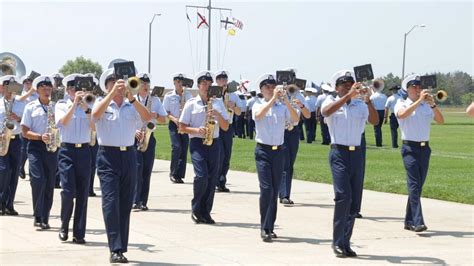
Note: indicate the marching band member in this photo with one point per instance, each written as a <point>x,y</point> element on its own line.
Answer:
<point>292,142</point>
<point>326,139</point>
<point>94,147</point>
<point>37,126</point>
<point>378,99</point>
<point>11,110</point>
<point>345,116</point>
<point>414,116</point>
<point>250,121</point>
<point>226,136</point>
<point>28,95</point>
<point>115,119</point>
<point>146,158</point>
<point>270,115</point>
<point>173,103</point>
<point>197,118</point>
<point>310,123</point>
<point>389,109</point>
<point>73,118</point>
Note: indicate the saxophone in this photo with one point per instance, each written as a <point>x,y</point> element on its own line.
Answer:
<point>7,129</point>
<point>210,124</point>
<point>230,111</point>
<point>52,131</point>
<point>147,129</point>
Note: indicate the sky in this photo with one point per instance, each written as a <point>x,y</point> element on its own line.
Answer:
<point>317,38</point>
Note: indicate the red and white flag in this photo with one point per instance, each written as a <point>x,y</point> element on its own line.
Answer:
<point>238,23</point>
<point>201,21</point>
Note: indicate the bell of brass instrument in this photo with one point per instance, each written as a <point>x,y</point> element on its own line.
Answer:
<point>52,131</point>
<point>147,129</point>
<point>89,99</point>
<point>210,124</point>
<point>441,96</point>
<point>132,84</point>
<point>7,130</point>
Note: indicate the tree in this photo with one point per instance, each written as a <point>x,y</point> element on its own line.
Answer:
<point>81,65</point>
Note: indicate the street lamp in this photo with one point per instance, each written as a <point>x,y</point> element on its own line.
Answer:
<point>149,42</point>
<point>405,45</point>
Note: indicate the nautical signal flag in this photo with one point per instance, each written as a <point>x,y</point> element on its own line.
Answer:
<point>201,21</point>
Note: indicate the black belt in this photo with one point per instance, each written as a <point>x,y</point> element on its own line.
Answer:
<point>270,147</point>
<point>344,147</point>
<point>113,148</point>
<point>75,145</point>
<point>416,143</point>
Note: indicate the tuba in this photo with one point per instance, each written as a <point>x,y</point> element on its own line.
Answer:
<point>147,129</point>
<point>210,124</point>
<point>52,131</point>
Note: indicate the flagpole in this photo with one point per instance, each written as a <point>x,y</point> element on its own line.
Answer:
<point>209,39</point>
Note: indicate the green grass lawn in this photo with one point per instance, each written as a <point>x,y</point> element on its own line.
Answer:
<point>450,177</point>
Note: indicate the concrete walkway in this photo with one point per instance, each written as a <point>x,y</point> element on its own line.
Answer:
<point>165,234</point>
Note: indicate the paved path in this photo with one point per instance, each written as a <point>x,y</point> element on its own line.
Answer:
<point>166,234</point>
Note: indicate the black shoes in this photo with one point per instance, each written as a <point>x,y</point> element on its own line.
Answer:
<point>286,201</point>
<point>358,215</point>
<point>11,212</point>
<point>417,228</point>
<point>273,235</point>
<point>339,251</point>
<point>45,226</point>
<point>79,241</point>
<point>63,234</point>
<point>136,207</point>
<point>92,194</point>
<point>37,222</point>
<point>143,208</point>
<point>198,218</point>
<point>222,189</point>
<point>208,219</point>
<point>3,210</point>
<point>266,237</point>
<point>176,180</point>
<point>350,252</point>
<point>22,174</point>
<point>118,257</point>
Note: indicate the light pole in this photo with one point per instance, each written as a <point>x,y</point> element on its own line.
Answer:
<point>149,42</point>
<point>405,46</point>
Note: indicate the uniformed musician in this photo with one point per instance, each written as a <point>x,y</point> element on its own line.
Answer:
<point>11,111</point>
<point>414,117</point>
<point>325,138</point>
<point>173,103</point>
<point>389,109</point>
<point>226,136</point>
<point>346,115</point>
<point>37,118</point>
<point>146,159</point>
<point>378,99</point>
<point>310,123</point>
<point>195,120</point>
<point>73,118</point>
<point>271,114</point>
<point>115,117</point>
<point>28,94</point>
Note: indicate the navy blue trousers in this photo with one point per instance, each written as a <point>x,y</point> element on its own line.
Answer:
<point>270,170</point>
<point>292,144</point>
<point>117,172</point>
<point>326,138</point>
<point>416,160</point>
<point>179,151</point>
<point>300,126</point>
<point>145,161</point>
<point>42,167</point>
<point>24,154</point>
<point>363,147</point>
<point>74,170</point>
<point>9,169</point>
<point>239,125</point>
<point>94,150</point>
<point>250,125</point>
<point>205,163</point>
<point>394,130</point>
<point>226,139</point>
<point>310,125</point>
<point>346,168</point>
<point>378,128</point>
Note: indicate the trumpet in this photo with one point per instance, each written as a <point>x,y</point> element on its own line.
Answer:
<point>132,84</point>
<point>439,96</point>
<point>89,99</point>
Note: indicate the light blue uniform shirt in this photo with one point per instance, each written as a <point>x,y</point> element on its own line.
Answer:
<point>35,116</point>
<point>250,102</point>
<point>172,102</point>
<point>391,101</point>
<point>311,101</point>
<point>194,114</point>
<point>234,97</point>
<point>156,107</point>
<point>117,125</point>
<point>415,127</point>
<point>319,101</point>
<point>78,129</point>
<point>17,108</point>
<point>270,129</point>
<point>378,100</point>
<point>347,124</point>
<point>300,97</point>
